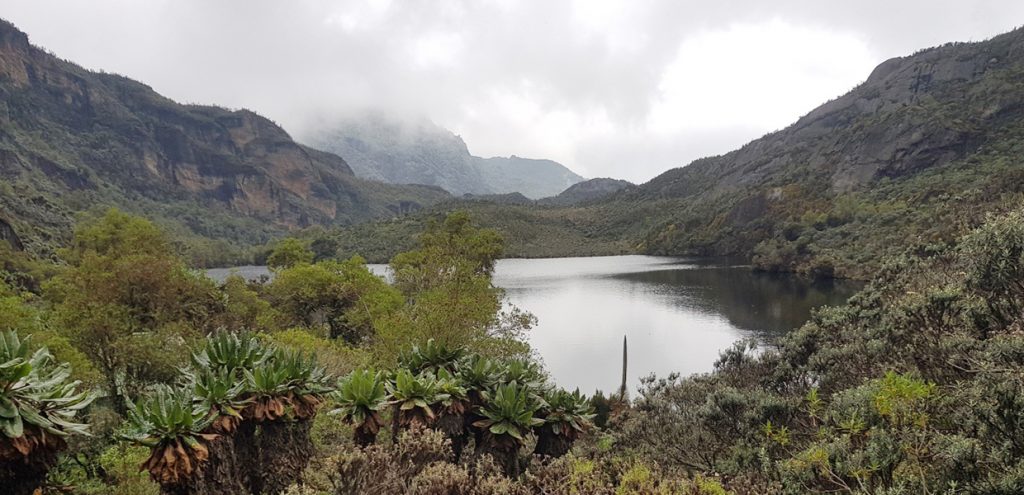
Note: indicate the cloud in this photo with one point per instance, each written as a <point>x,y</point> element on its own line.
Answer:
<point>608,87</point>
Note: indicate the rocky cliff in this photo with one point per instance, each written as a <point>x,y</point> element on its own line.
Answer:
<point>72,139</point>
<point>922,150</point>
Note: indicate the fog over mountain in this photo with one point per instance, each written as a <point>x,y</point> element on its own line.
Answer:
<point>604,89</point>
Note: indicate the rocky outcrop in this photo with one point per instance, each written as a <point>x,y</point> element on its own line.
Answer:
<point>112,140</point>
<point>912,113</point>
<point>8,234</point>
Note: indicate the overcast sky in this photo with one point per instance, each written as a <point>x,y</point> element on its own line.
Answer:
<point>625,89</point>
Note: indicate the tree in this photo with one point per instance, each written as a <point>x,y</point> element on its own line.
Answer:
<point>345,297</point>
<point>129,303</point>
<point>288,253</point>
<point>449,294</point>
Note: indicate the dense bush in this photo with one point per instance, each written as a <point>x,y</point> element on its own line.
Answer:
<point>913,387</point>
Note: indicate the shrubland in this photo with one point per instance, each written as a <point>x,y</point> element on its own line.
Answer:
<point>327,379</point>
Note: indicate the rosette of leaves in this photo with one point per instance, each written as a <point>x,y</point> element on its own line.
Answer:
<point>431,356</point>
<point>360,397</point>
<point>308,382</point>
<point>526,373</point>
<point>223,395</point>
<point>508,417</point>
<point>566,415</point>
<point>285,381</point>
<point>478,374</point>
<point>172,424</point>
<point>38,406</point>
<point>414,398</point>
<point>230,351</point>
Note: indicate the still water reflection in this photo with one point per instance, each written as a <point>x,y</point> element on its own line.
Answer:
<point>677,313</point>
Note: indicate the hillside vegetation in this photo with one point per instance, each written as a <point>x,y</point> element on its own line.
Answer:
<point>72,140</point>
<point>912,387</point>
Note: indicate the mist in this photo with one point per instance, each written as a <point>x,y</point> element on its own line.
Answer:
<point>608,88</point>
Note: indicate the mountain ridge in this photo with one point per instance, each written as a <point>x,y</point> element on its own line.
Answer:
<point>74,139</point>
<point>416,151</point>
<point>919,153</point>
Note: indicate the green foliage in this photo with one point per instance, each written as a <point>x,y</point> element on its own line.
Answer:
<point>36,395</point>
<point>129,303</point>
<point>415,396</point>
<point>449,295</point>
<point>245,309</point>
<point>345,298</point>
<point>337,357</point>
<point>567,413</point>
<point>167,415</point>
<point>509,411</point>
<point>360,396</point>
<point>289,252</point>
<point>432,357</point>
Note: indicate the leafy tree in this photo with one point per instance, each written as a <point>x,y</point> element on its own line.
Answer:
<point>244,309</point>
<point>129,303</point>
<point>343,297</point>
<point>449,295</point>
<point>288,253</point>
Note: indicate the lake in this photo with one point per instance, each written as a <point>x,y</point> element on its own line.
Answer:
<point>677,313</point>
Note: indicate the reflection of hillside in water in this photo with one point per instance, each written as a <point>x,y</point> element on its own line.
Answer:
<point>768,304</point>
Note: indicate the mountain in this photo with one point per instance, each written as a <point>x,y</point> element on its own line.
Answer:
<point>72,140</point>
<point>400,151</point>
<point>919,153</point>
<point>533,178</point>
<point>587,191</point>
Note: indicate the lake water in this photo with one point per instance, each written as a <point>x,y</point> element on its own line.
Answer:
<point>677,313</point>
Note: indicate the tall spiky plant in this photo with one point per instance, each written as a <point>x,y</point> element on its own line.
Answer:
<point>566,416</point>
<point>360,397</point>
<point>37,409</point>
<point>220,393</point>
